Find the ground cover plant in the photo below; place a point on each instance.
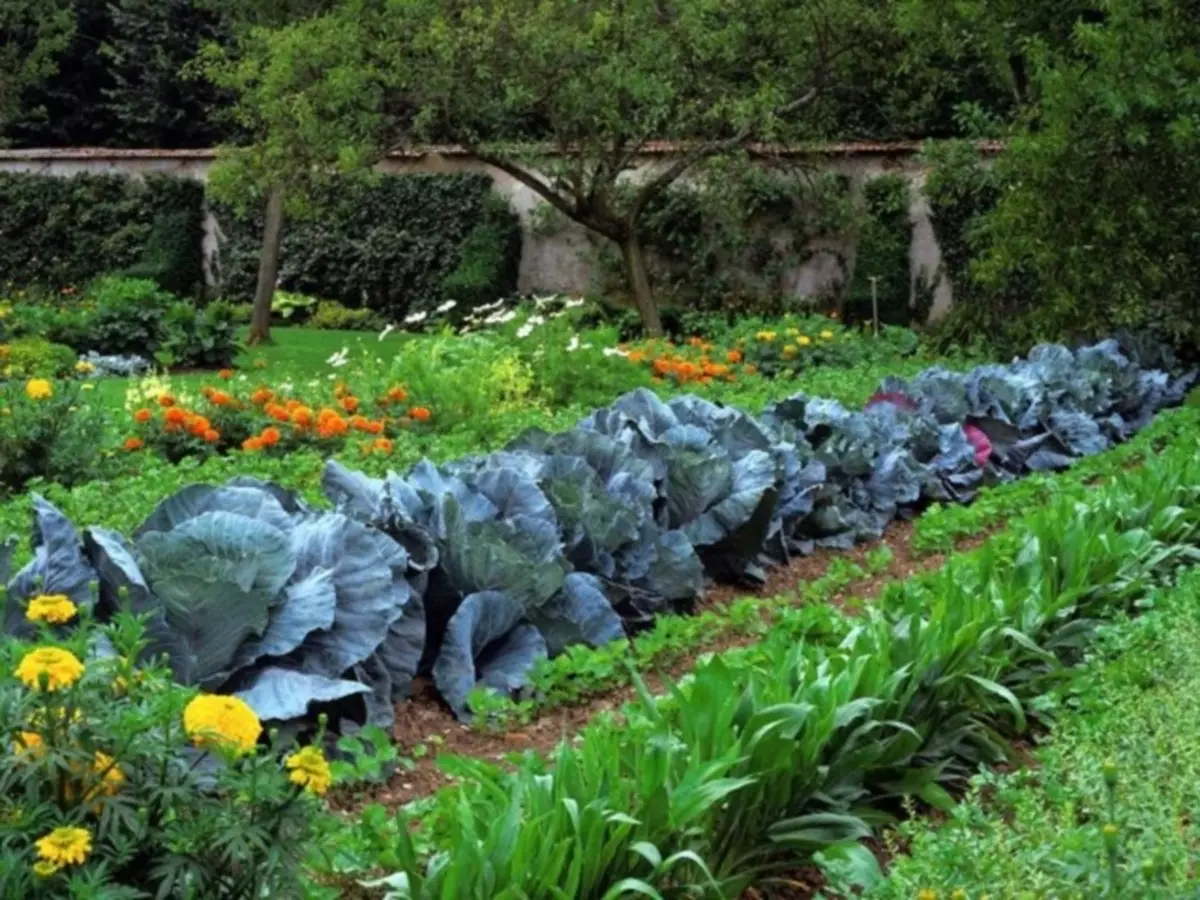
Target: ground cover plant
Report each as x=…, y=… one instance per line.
x=475, y=570
x=1106, y=810
x=792, y=750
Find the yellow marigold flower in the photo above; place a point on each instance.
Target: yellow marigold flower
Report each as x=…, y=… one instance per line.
x=28, y=742
x=53, y=608
x=804, y=340
x=927, y=894
x=38, y=389
x=789, y=352
x=84, y=367
x=65, y=846
x=44, y=868
x=60, y=668
x=310, y=770
x=959, y=894
x=765, y=336
x=827, y=335
x=110, y=776
x=214, y=720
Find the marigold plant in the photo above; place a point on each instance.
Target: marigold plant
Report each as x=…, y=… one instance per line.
x=105, y=784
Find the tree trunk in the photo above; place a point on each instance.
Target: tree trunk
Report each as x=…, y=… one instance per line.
x=268, y=269
x=639, y=283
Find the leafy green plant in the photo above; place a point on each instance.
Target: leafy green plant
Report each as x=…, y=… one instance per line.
x=288, y=306
x=330, y=314
x=35, y=357
x=48, y=432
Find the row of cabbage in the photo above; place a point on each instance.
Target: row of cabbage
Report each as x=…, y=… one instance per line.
x=470, y=572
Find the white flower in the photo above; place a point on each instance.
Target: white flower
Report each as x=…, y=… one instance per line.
x=486, y=307
x=340, y=358
x=447, y=306
x=390, y=328
x=574, y=304
x=614, y=351
x=415, y=318
x=574, y=344
x=500, y=318
x=535, y=320
x=525, y=330
x=287, y=387
x=539, y=302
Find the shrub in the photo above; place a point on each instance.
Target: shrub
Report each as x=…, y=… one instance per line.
x=117, y=779
x=47, y=431
x=388, y=243
x=332, y=315
x=35, y=358
x=198, y=338
x=489, y=258
x=128, y=317
x=56, y=232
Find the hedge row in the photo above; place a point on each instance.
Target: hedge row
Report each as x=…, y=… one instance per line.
x=398, y=244
x=59, y=232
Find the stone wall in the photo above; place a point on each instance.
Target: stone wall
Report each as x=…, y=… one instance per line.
x=549, y=262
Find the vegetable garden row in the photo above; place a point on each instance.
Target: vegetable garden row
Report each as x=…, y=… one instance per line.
x=473, y=571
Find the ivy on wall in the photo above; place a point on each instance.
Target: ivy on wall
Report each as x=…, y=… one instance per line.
x=396, y=244
x=56, y=232
x=883, y=254
x=730, y=239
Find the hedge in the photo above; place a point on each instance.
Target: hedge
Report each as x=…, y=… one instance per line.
x=56, y=232
x=397, y=244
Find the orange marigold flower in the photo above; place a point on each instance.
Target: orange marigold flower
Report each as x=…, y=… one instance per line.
x=397, y=395
x=175, y=416
x=142, y=416
x=293, y=405
x=349, y=404
x=375, y=426
x=420, y=413
x=225, y=374
x=133, y=443
x=302, y=416
x=270, y=437
x=636, y=356
x=207, y=391
x=252, y=444
x=262, y=396
x=220, y=398
x=278, y=413
x=383, y=445
x=212, y=436
x=359, y=422
x=165, y=400
x=663, y=366
x=734, y=356
x=199, y=425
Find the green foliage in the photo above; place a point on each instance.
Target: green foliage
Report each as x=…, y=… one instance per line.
x=489, y=258
x=1104, y=189
x=1124, y=752
x=715, y=241
x=123, y=316
x=883, y=253
x=388, y=243
x=292, y=307
x=331, y=315
x=58, y=232
x=51, y=438
x=151, y=98
x=34, y=357
x=109, y=754
x=169, y=258
x=32, y=32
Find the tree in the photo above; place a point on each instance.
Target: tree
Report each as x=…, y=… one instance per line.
x=252, y=171
x=1101, y=193
x=32, y=34
x=154, y=97
x=604, y=79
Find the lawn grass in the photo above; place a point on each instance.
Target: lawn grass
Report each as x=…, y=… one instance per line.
x=292, y=353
